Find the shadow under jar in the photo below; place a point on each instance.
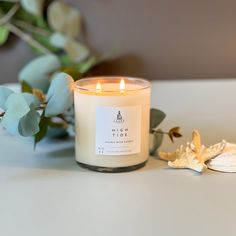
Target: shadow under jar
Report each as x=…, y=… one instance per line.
x=112, y=123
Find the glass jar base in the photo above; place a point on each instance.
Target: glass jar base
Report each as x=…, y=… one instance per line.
x=112, y=169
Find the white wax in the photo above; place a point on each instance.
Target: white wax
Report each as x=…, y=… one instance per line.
x=87, y=102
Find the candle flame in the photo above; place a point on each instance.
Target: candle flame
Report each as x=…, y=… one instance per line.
x=122, y=85
x=98, y=86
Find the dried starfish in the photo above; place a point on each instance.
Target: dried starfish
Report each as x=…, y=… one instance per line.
x=193, y=155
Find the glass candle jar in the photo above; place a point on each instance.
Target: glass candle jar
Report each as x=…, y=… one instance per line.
x=112, y=123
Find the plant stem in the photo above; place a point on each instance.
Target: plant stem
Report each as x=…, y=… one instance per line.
x=159, y=132
x=30, y=27
x=6, y=18
x=41, y=107
x=62, y=117
x=27, y=38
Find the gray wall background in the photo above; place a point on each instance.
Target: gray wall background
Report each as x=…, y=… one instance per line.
x=155, y=39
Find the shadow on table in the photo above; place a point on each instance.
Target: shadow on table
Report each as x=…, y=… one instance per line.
x=49, y=154
x=59, y=159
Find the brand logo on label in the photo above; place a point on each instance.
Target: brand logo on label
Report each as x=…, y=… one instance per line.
x=119, y=118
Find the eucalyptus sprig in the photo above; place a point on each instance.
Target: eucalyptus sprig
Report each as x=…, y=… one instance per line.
x=52, y=32
x=157, y=134
x=45, y=105
x=32, y=112
x=52, y=29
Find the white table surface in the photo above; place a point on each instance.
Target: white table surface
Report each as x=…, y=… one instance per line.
x=44, y=193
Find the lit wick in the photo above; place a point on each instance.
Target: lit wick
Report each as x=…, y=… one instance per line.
x=98, y=87
x=122, y=86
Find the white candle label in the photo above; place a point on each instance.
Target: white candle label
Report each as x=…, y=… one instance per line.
x=118, y=130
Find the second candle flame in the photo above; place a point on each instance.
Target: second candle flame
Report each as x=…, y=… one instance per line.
x=98, y=87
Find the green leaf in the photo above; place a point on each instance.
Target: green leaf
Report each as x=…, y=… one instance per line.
x=58, y=40
x=73, y=72
x=25, y=87
x=60, y=95
x=56, y=124
x=5, y=6
x=156, y=140
x=88, y=64
x=37, y=73
x=4, y=33
x=29, y=124
x=57, y=133
x=64, y=18
x=45, y=41
x=40, y=22
x=4, y=94
x=9, y=0
x=66, y=61
x=77, y=51
x=16, y=108
x=11, y=126
x=23, y=15
x=34, y=7
x=31, y=99
x=43, y=127
x=156, y=117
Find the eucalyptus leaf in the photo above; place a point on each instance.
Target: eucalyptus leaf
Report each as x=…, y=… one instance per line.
x=57, y=133
x=25, y=87
x=64, y=18
x=77, y=51
x=73, y=72
x=40, y=22
x=156, y=117
x=66, y=61
x=156, y=140
x=4, y=94
x=16, y=108
x=35, y=7
x=60, y=94
x=86, y=65
x=24, y=15
x=29, y=124
x=45, y=41
x=37, y=73
x=11, y=126
x=9, y=0
x=31, y=99
x=58, y=40
x=43, y=127
x=4, y=33
x=54, y=123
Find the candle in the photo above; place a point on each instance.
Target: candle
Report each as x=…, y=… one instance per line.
x=112, y=123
